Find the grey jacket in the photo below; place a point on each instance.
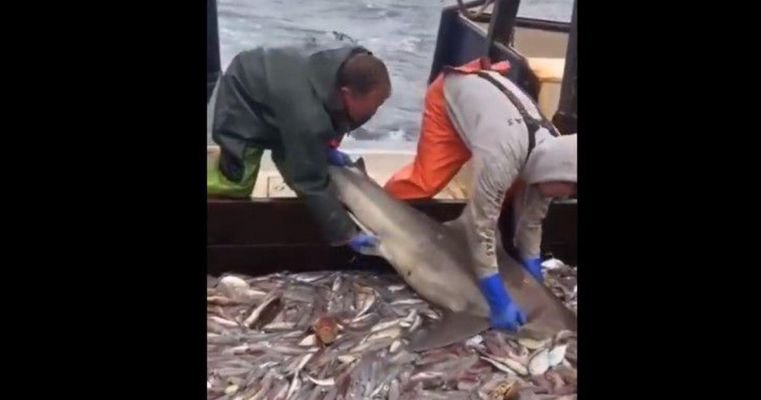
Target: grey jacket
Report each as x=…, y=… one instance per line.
x=285, y=99
x=491, y=126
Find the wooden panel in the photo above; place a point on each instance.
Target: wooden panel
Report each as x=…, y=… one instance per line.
x=266, y=259
x=259, y=237
x=284, y=221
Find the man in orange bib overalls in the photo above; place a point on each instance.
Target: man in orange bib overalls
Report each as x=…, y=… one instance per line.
x=519, y=161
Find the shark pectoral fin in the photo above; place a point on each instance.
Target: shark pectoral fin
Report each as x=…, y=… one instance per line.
x=453, y=328
x=359, y=224
x=457, y=228
x=368, y=251
x=454, y=224
x=372, y=251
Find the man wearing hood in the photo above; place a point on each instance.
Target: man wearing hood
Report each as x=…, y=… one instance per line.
x=520, y=163
x=298, y=102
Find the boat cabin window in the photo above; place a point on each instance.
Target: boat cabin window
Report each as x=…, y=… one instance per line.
x=546, y=10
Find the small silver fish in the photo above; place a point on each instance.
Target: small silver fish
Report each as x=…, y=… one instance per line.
x=539, y=363
x=309, y=277
x=384, y=325
x=221, y=339
x=292, y=334
x=347, y=358
x=372, y=345
x=430, y=314
x=426, y=376
x=360, y=319
x=392, y=333
x=279, y=326
x=229, y=372
x=416, y=324
x=499, y=365
x=244, y=348
x=475, y=341
x=257, y=312
x=336, y=284
x=309, y=341
x=331, y=395
x=304, y=361
x=409, y=319
x=393, y=391
x=467, y=384
x=223, y=301
x=223, y=322
x=367, y=304
x=403, y=357
x=557, y=355
x=265, y=386
x=407, y=302
x=533, y=344
x=288, y=350
x=281, y=393
x=322, y=382
x=268, y=364
x=295, y=386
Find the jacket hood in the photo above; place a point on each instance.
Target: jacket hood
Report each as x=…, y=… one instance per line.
x=323, y=72
x=552, y=160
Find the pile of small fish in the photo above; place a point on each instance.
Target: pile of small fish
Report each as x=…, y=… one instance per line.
x=343, y=335
x=561, y=279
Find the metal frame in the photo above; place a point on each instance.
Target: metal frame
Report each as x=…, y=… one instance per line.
x=502, y=25
x=460, y=40
x=213, y=58
x=566, y=117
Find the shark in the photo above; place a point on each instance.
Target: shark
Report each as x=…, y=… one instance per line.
x=434, y=260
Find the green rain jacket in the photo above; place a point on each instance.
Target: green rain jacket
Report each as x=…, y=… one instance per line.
x=286, y=100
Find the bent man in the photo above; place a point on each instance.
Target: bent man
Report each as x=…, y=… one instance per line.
x=298, y=102
x=519, y=161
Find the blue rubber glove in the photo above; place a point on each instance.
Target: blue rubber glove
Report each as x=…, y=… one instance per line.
x=338, y=158
x=362, y=243
x=505, y=313
x=534, y=267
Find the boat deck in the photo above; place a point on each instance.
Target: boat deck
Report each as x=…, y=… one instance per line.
x=272, y=231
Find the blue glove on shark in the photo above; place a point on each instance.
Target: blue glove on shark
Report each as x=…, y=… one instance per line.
x=505, y=313
x=338, y=158
x=534, y=267
x=362, y=243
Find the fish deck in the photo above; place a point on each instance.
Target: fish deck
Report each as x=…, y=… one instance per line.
x=321, y=335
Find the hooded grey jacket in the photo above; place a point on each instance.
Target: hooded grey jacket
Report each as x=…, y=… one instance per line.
x=492, y=127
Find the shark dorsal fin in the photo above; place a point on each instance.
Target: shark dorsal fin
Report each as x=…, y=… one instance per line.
x=360, y=165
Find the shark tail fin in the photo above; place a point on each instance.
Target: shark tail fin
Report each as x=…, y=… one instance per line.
x=453, y=328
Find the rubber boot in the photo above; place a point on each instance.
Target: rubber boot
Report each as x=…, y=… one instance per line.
x=505, y=313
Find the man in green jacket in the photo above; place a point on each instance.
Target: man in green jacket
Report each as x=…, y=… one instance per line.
x=297, y=102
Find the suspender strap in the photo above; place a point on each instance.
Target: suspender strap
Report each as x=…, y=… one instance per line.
x=532, y=123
